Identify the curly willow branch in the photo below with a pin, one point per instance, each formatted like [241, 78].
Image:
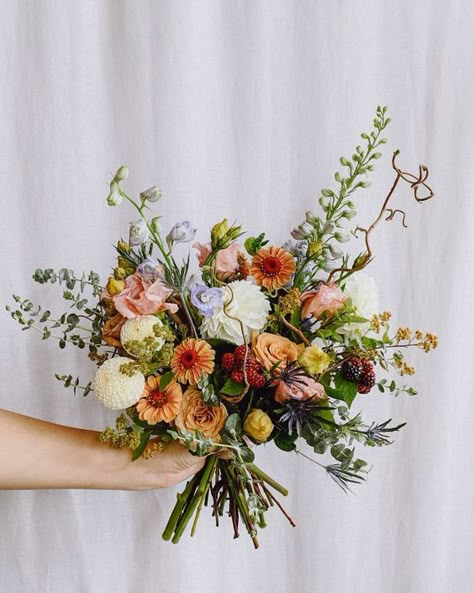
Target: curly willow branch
[418, 185]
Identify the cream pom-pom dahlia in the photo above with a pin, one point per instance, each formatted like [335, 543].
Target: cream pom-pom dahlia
[138, 336]
[362, 290]
[244, 302]
[114, 389]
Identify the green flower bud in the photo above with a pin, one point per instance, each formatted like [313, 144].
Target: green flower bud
[122, 173]
[219, 231]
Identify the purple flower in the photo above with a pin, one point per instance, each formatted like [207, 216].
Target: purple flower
[150, 269]
[207, 300]
[182, 232]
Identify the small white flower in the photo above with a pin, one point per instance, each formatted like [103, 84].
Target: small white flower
[342, 237]
[114, 389]
[243, 302]
[152, 194]
[362, 290]
[138, 233]
[311, 218]
[139, 328]
[182, 232]
[302, 231]
[114, 198]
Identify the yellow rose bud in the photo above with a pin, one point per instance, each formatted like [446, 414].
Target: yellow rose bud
[123, 246]
[115, 286]
[258, 425]
[120, 273]
[126, 265]
[314, 248]
[314, 360]
[219, 231]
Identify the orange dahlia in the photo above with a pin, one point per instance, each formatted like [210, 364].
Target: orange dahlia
[191, 359]
[272, 267]
[159, 405]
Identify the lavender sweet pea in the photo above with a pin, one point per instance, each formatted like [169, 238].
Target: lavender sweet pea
[182, 232]
[149, 269]
[207, 300]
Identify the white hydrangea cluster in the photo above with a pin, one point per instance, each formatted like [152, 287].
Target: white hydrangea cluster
[114, 389]
[244, 302]
[138, 329]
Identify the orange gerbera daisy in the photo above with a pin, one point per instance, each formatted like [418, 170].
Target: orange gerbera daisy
[272, 267]
[159, 405]
[191, 359]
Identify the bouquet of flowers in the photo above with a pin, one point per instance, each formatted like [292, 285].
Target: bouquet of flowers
[260, 344]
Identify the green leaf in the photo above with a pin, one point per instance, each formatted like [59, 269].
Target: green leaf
[232, 388]
[137, 452]
[233, 426]
[166, 380]
[285, 441]
[247, 454]
[343, 389]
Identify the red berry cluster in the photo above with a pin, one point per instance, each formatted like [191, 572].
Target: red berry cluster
[233, 363]
[360, 371]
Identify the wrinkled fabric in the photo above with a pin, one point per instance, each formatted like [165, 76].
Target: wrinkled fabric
[241, 109]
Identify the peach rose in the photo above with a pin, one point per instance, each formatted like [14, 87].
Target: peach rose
[142, 297]
[226, 262]
[111, 330]
[328, 297]
[194, 415]
[270, 349]
[302, 388]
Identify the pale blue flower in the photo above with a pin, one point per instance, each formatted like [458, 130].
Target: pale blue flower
[207, 300]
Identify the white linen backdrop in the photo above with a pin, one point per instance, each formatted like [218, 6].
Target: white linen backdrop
[242, 109]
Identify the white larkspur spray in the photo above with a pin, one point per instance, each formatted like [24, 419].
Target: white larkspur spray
[244, 302]
[138, 233]
[139, 328]
[114, 389]
[114, 198]
[152, 194]
[362, 290]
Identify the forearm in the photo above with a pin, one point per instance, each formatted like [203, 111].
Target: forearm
[39, 454]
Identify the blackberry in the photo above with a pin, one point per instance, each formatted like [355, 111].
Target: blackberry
[367, 378]
[227, 361]
[255, 378]
[353, 369]
[239, 354]
[237, 376]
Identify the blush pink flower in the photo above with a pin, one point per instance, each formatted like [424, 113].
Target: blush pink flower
[226, 262]
[142, 297]
[327, 298]
[300, 389]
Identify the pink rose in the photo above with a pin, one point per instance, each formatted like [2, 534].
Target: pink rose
[327, 298]
[226, 262]
[142, 297]
[302, 388]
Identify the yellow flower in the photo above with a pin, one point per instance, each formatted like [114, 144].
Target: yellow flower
[115, 286]
[258, 425]
[314, 360]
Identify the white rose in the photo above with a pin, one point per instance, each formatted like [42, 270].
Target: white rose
[115, 389]
[362, 290]
[243, 302]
